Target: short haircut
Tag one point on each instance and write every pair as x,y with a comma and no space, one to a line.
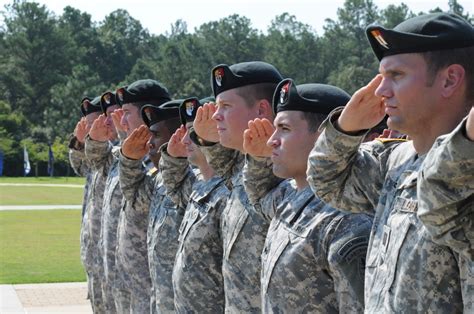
439,59
252,93
313,119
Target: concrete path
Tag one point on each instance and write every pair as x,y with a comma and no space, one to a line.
38,207
44,184
45,298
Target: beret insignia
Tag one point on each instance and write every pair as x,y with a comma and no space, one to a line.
219,76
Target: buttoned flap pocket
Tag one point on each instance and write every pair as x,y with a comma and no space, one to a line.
270,255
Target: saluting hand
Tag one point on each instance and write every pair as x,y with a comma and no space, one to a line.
205,127
81,131
256,137
99,131
365,110
175,147
135,145
470,125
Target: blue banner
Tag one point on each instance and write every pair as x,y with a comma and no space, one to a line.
50,162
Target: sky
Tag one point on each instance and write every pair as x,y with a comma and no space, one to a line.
157,16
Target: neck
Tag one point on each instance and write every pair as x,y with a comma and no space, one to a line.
206,171
423,140
301,183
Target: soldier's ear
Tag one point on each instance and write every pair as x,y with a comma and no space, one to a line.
452,78
264,109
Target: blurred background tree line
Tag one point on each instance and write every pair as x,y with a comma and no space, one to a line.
48,63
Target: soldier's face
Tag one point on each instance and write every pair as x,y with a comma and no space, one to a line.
159,135
232,117
410,94
195,156
90,118
291,142
110,123
131,118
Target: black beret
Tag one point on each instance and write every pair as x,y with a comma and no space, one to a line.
317,98
224,77
89,106
152,114
107,100
143,92
429,32
189,106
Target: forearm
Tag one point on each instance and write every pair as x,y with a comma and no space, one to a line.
178,177
341,174
98,153
221,159
79,164
135,184
446,192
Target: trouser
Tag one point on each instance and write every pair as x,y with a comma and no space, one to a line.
96,299
122,300
108,297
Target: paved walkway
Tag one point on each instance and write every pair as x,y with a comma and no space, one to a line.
45,298
38,207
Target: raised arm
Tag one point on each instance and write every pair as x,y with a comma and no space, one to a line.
446,189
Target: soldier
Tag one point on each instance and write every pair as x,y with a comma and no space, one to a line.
101,145
197,274
142,193
164,217
82,167
243,92
314,255
425,87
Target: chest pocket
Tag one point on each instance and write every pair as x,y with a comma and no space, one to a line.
270,256
392,234
234,219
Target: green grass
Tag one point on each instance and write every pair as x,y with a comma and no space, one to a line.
49,180
40,195
40,246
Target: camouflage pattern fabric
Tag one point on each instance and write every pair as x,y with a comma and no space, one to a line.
405,270
197,273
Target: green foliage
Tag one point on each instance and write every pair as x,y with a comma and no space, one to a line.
49,63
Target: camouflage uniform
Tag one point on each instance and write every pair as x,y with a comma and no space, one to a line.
131,253
81,167
197,273
243,232
446,201
405,270
104,157
162,242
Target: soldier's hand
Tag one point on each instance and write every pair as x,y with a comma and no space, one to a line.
81,131
135,145
99,130
364,111
116,117
256,138
205,127
470,125
175,147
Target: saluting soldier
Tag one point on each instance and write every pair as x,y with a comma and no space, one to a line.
197,274
243,92
425,87
314,255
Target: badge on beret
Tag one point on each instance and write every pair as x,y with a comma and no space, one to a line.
284,93
148,113
107,99
378,36
120,95
190,105
219,75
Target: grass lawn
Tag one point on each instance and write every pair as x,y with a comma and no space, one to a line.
40,246
40,195
48,180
